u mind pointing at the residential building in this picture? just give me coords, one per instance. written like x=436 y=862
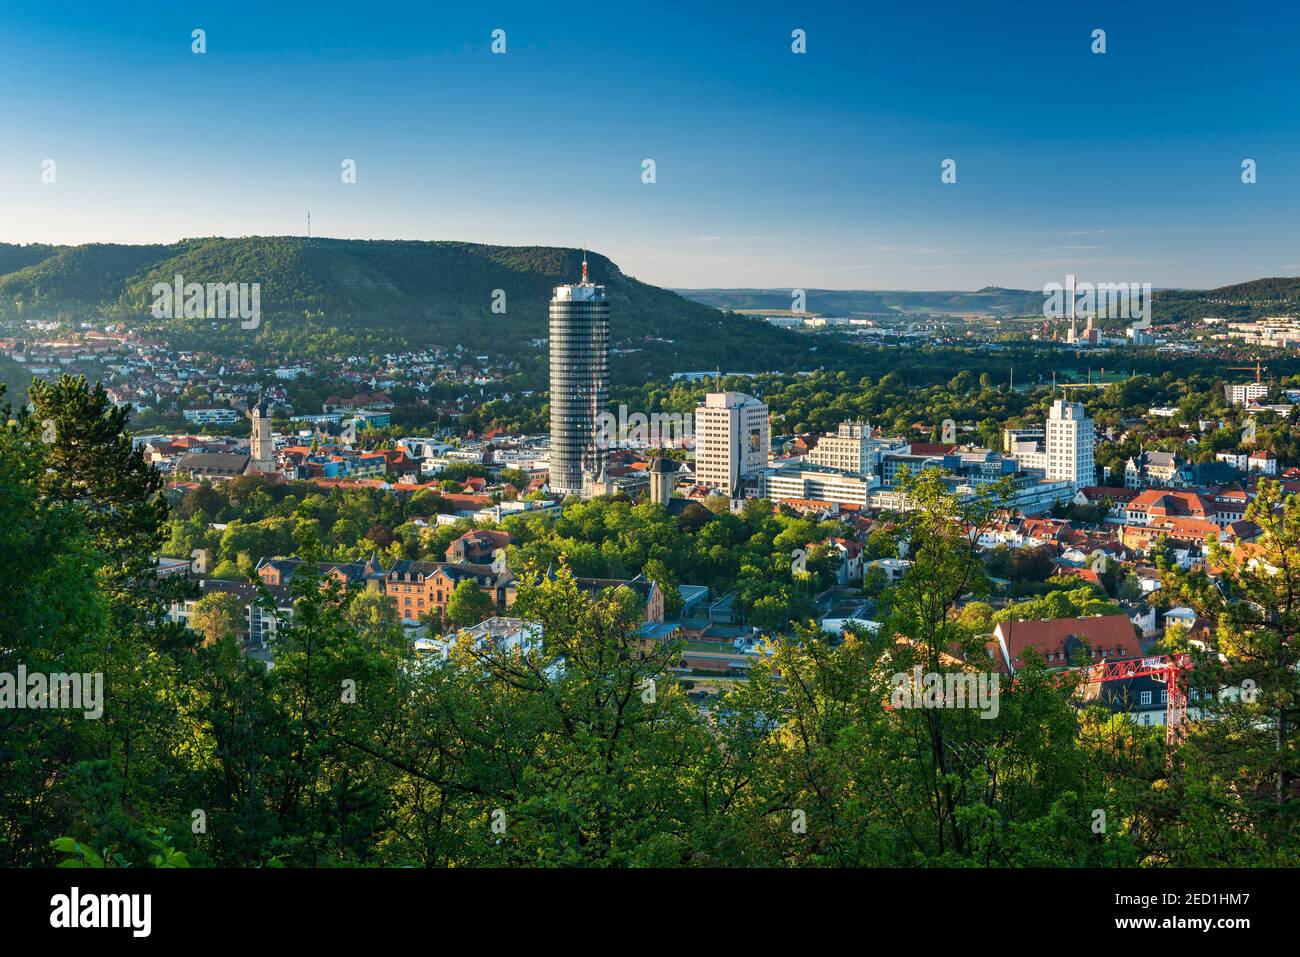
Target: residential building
x=646 y=590
x=1229 y=507
x=362 y=574
x=260 y=621
x=423 y=588
x=1153 y=504
x=850 y=568
x=1263 y=462
x=1060 y=642
x=1157 y=469
x=477 y=546
x=1192 y=534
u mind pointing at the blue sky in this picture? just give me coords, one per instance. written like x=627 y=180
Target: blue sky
x=773 y=169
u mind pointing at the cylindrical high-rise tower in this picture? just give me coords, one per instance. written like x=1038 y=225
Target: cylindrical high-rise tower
x=579 y=350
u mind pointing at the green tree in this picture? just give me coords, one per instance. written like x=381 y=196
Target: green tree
x=468 y=604
x=219 y=616
x=1244 y=762
x=91 y=461
x=658 y=572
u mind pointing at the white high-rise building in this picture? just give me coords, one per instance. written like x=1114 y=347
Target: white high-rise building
x=1070 y=445
x=732 y=439
x=850 y=448
x=1066 y=454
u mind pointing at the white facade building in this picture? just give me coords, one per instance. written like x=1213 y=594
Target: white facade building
x=849 y=449
x=818 y=483
x=211 y=416
x=1245 y=392
x=732 y=440
x=1066 y=454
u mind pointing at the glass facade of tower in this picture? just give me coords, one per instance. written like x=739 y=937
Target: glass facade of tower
x=579 y=354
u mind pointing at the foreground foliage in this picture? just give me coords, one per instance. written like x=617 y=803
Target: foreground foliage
x=582 y=749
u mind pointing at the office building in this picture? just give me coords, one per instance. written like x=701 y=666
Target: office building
x=850 y=448
x=579 y=360
x=818 y=483
x=1244 y=393
x=732 y=439
x=1066 y=451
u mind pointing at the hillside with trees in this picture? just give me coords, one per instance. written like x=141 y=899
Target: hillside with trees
x=323 y=297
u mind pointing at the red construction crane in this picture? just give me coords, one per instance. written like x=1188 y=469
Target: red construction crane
x=1170 y=669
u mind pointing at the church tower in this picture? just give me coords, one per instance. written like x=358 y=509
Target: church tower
x=263 y=447
x=663 y=479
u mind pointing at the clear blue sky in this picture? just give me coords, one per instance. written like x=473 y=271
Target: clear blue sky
x=773 y=169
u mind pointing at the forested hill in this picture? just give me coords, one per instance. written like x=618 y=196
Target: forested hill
x=326 y=296
x=1248 y=300
x=866 y=302
x=1256 y=299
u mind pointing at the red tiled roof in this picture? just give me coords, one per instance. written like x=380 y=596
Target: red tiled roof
x=1170 y=502
x=1087 y=574
x=930 y=448
x=1109 y=633
x=465 y=501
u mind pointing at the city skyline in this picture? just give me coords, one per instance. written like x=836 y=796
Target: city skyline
x=449 y=439
x=772 y=169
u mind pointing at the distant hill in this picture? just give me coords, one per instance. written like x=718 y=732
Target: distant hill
x=838 y=302
x=327 y=297
x=330 y=296
x=1255 y=299
x=1247 y=300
